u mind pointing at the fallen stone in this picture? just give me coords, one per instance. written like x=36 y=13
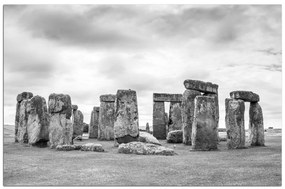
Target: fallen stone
x=77 y=123
x=159 y=122
x=205 y=87
x=38 y=120
x=247 y=96
x=256 y=127
x=175 y=120
x=94 y=123
x=141 y=148
x=68 y=147
x=148 y=138
x=126 y=126
x=235 y=123
x=164 y=97
x=175 y=136
x=92 y=147
x=106 y=120
x=187 y=114
x=60 y=103
x=204 y=130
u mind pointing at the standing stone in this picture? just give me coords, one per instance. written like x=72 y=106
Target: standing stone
x=175 y=120
x=235 y=123
x=256 y=127
x=166 y=120
x=159 y=123
x=106 y=117
x=204 y=130
x=175 y=136
x=126 y=127
x=77 y=122
x=187 y=114
x=22 y=134
x=60 y=126
x=85 y=127
x=94 y=123
x=38 y=121
x=147 y=128
x=20 y=97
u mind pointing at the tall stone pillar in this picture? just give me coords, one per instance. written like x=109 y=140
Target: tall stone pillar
x=187 y=114
x=204 y=130
x=94 y=123
x=106 y=117
x=77 y=121
x=256 y=127
x=175 y=120
x=126 y=127
x=159 y=122
x=235 y=123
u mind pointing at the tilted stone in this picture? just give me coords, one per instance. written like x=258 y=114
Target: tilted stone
x=175 y=136
x=106 y=121
x=92 y=147
x=38 y=120
x=187 y=114
x=204 y=130
x=108 y=98
x=94 y=123
x=247 y=96
x=159 y=122
x=24 y=96
x=77 y=123
x=205 y=87
x=74 y=107
x=60 y=103
x=126 y=126
x=256 y=127
x=235 y=123
x=175 y=120
x=164 y=97
x=148 y=138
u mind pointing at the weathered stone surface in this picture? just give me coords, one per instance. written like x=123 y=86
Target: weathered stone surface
x=235 y=123
x=159 y=123
x=22 y=133
x=141 y=148
x=60 y=130
x=175 y=120
x=106 y=121
x=147 y=128
x=77 y=123
x=217 y=116
x=74 y=107
x=94 y=123
x=166 y=120
x=164 y=97
x=205 y=87
x=175 y=136
x=68 y=147
x=256 y=127
x=204 y=130
x=108 y=98
x=20 y=97
x=38 y=120
x=92 y=147
x=60 y=103
x=86 y=128
x=126 y=126
x=148 y=138
x=187 y=114
x=247 y=96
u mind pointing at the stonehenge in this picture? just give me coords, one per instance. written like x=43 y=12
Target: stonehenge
x=106 y=117
x=235 y=120
x=126 y=126
x=77 y=120
x=94 y=123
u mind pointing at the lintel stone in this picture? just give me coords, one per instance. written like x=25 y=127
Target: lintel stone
x=205 y=87
x=164 y=97
x=108 y=98
x=247 y=96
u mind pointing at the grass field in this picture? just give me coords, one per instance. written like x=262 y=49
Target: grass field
x=24 y=166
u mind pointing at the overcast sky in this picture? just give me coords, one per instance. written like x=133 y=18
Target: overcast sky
x=89 y=50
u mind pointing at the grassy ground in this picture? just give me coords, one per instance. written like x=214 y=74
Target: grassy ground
x=260 y=166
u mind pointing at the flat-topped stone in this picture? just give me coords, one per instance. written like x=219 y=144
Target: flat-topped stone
x=205 y=87
x=108 y=98
x=247 y=96
x=24 y=96
x=164 y=97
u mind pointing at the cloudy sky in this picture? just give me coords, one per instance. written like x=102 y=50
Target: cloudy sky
x=89 y=50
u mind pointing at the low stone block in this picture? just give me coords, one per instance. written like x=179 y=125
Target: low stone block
x=148 y=138
x=92 y=147
x=164 y=97
x=247 y=96
x=256 y=127
x=175 y=136
x=67 y=147
x=205 y=87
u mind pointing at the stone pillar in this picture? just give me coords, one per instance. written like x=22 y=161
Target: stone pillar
x=94 y=123
x=126 y=127
x=159 y=123
x=187 y=114
x=204 y=130
x=175 y=120
x=235 y=123
x=60 y=126
x=147 y=128
x=256 y=127
x=38 y=121
x=20 y=97
x=77 y=121
x=106 y=117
